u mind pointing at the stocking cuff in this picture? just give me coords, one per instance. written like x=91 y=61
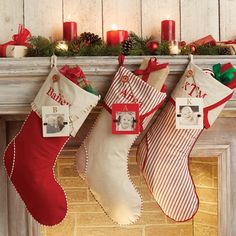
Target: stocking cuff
x=58 y=90
x=129 y=88
x=195 y=83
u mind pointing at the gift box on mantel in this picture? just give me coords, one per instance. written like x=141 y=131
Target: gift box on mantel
x=18 y=46
x=230 y=45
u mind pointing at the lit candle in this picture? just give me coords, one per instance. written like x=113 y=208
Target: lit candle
x=115 y=36
x=174 y=48
x=62 y=46
x=69 y=30
x=167 y=30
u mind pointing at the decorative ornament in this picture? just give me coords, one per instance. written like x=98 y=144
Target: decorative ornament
x=193 y=48
x=126 y=46
x=152 y=46
x=90 y=38
x=182 y=44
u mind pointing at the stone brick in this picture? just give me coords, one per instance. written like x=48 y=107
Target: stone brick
x=151 y=206
x=72 y=182
x=67 y=170
x=207 y=194
x=156 y=217
x=146 y=194
x=77 y=195
x=66 y=227
x=208 y=207
x=162 y=230
x=108 y=231
x=66 y=160
x=206 y=219
x=91 y=197
x=215 y=171
x=132 y=160
x=93 y=219
x=134 y=170
x=204 y=160
x=169 y=221
x=202 y=174
x=204 y=230
x=84 y=207
x=136 y=180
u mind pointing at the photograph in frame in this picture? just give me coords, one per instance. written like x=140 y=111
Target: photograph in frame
x=189 y=113
x=55 y=121
x=125 y=119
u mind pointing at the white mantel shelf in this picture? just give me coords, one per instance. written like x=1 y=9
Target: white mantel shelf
x=20 y=79
x=35 y=66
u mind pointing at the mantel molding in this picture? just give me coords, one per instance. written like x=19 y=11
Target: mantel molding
x=38 y=66
x=20 y=79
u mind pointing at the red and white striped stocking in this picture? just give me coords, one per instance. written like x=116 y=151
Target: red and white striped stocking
x=164 y=151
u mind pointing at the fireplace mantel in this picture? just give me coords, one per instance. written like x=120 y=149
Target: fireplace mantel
x=20 y=80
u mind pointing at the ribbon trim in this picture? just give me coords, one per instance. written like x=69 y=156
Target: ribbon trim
x=152 y=66
x=224 y=73
x=18 y=39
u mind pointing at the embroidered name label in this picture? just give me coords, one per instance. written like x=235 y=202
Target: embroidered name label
x=193 y=90
x=57 y=97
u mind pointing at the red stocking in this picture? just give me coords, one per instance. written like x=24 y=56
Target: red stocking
x=30 y=158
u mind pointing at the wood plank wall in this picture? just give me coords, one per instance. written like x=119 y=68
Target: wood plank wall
x=194 y=18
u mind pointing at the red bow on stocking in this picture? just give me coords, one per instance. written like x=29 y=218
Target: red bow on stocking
x=152 y=66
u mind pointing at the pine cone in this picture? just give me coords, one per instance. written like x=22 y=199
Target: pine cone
x=127 y=46
x=90 y=38
x=225 y=50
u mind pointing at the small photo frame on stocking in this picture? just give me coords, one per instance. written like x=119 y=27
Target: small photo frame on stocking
x=125 y=119
x=189 y=113
x=55 y=121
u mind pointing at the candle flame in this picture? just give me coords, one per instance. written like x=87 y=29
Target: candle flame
x=62 y=45
x=69 y=17
x=168 y=17
x=114 y=27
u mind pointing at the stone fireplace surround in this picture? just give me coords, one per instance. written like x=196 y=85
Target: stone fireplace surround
x=20 y=79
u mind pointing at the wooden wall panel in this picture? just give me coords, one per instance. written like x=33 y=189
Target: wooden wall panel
x=227 y=19
x=153 y=12
x=88 y=14
x=11 y=15
x=198 y=19
x=44 y=17
x=125 y=14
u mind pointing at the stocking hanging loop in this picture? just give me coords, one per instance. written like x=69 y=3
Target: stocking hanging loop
x=53 y=61
x=121 y=59
x=191 y=57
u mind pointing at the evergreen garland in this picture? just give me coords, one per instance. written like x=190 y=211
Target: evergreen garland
x=43 y=47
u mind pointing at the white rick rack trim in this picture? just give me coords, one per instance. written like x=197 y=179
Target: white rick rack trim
x=83 y=176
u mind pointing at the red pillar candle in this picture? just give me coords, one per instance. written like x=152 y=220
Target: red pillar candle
x=115 y=37
x=168 y=30
x=69 y=31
